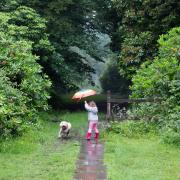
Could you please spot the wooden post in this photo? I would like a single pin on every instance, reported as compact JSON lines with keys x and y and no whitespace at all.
{"x":108,"y":115}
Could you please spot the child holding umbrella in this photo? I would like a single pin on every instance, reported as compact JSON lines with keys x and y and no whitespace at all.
{"x":92,"y":118}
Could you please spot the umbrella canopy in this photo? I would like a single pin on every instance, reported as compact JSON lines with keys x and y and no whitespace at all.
{"x":84,"y":93}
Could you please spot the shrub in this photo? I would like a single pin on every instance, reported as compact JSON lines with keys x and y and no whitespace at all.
{"x":170,"y":136}
{"x":23,"y":88}
{"x":161,"y":79}
{"x":12,"y":107}
{"x":133,"y":128}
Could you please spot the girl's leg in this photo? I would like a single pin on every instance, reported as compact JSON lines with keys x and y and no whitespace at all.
{"x":88,"y":135}
{"x":96,"y":130}
{"x":91,"y":124}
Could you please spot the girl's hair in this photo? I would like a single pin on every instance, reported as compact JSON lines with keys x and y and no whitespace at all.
{"x":92,"y":104}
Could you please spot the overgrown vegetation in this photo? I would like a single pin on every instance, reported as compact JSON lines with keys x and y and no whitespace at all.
{"x":23,"y":88}
{"x":161,"y":79}
{"x":39,"y":38}
{"x":50,"y":37}
{"x":133,"y":129}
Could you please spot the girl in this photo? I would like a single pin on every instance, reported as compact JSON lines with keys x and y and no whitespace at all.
{"x":92,"y":118}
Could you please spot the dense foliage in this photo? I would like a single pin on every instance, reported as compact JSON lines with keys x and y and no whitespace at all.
{"x":23,"y":89}
{"x":56,"y":51}
{"x":161,"y":78}
{"x":61,"y":38}
{"x":70,"y":40}
{"x":137,"y":28}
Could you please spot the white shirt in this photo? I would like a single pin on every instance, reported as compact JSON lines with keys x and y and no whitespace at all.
{"x":92,"y":112}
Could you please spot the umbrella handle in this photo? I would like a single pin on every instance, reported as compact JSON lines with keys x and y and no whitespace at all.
{"x":78,"y":99}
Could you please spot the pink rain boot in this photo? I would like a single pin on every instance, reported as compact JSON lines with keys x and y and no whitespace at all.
{"x":97,"y":136}
{"x":88,"y":136}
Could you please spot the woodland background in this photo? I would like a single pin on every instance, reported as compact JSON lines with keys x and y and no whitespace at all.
{"x":52,"y":48}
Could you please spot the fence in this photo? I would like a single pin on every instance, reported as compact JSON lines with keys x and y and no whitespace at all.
{"x":114,"y":99}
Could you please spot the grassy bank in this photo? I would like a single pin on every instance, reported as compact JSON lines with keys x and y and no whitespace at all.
{"x":39,"y":154}
{"x":140,"y":159}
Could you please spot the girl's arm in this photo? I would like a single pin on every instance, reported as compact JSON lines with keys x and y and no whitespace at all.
{"x":89,"y":108}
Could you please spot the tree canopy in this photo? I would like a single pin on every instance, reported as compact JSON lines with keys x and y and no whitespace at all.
{"x":49,"y":48}
{"x":138,"y":26}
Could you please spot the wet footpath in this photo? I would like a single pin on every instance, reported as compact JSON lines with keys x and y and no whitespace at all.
{"x":90,"y":164}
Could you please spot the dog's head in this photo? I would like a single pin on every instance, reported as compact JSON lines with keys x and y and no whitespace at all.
{"x":65,"y":125}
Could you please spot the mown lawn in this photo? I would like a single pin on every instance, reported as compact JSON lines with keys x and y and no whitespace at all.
{"x":39,"y":155}
{"x":140,"y":159}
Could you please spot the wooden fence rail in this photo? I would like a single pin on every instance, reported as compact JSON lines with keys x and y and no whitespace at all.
{"x":112,"y":99}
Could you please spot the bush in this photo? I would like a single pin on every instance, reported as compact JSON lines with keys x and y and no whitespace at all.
{"x":23,"y":88}
{"x":161,"y":79}
{"x":12,"y":107}
{"x":133,"y":128}
{"x":170,"y":136}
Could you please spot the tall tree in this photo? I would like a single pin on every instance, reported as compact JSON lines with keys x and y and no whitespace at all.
{"x":138,"y":27}
{"x":71,"y":23}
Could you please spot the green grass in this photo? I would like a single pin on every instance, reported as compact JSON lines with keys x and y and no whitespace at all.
{"x":39,"y":154}
{"x":140,"y":159}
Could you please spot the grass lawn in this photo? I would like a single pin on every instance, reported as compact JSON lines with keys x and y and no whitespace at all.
{"x":140,"y":159}
{"x":39,"y":155}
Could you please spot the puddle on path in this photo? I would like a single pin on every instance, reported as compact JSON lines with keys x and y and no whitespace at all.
{"x":90,"y":164}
